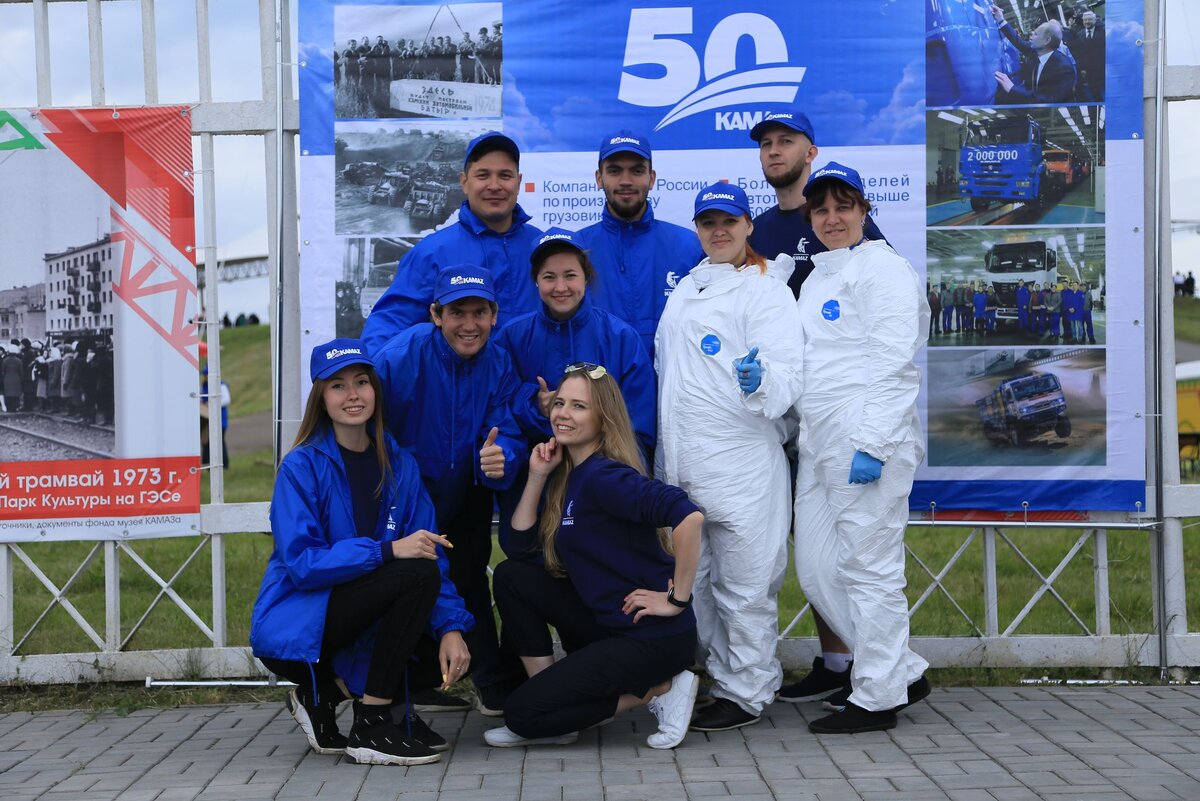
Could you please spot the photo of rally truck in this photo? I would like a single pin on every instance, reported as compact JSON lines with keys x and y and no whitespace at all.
{"x":1001,"y":160}
{"x":1023,"y":407}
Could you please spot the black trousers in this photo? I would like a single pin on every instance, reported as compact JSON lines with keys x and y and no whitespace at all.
{"x":399,"y":595}
{"x":467,"y":523}
{"x":582,"y":689}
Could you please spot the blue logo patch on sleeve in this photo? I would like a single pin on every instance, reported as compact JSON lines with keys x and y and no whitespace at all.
{"x":711,"y":344}
{"x":831,"y":310}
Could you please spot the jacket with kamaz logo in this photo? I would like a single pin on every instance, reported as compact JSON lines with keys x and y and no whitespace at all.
{"x":637,"y":266}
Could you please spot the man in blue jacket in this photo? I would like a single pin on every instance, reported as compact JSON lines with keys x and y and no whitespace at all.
{"x":786,"y":149}
{"x":448,"y":398}
{"x":638,"y":259}
{"x":492,"y":230}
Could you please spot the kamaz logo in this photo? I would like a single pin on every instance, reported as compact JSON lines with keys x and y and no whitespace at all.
{"x":624,"y":140}
{"x":465,"y":279}
{"x":802,"y":246}
{"x":672,"y":279}
{"x":551,"y":238}
{"x":336,"y":352}
{"x":717,"y":196}
{"x":655,"y":44}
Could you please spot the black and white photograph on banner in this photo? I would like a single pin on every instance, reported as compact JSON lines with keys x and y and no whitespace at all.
{"x":368,"y":267}
{"x":441,"y":61}
{"x":1015,"y":166}
{"x":1016,"y":286}
{"x":1019,"y":406}
{"x":1007,"y":53}
{"x":398,"y":179}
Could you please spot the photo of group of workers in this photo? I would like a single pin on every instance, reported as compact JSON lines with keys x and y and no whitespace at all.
{"x":980,"y":53}
{"x":1015,"y":166}
{"x":1016,"y":407}
{"x":1020,"y":286}
{"x":397,"y":180}
{"x":421,"y":60}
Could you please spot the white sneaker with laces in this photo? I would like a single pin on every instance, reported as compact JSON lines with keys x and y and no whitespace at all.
{"x":674,"y":711}
{"x":504,"y":737}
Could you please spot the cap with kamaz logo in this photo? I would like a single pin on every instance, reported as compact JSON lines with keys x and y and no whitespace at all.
{"x":728,"y":198}
{"x":836,"y":172}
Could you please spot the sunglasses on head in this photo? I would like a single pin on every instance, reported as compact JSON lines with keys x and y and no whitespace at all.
{"x":587,"y":368}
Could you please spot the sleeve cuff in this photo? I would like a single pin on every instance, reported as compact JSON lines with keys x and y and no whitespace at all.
{"x":385,"y":551}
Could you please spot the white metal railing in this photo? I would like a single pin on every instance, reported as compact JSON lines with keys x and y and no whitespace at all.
{"x":274,"y":118}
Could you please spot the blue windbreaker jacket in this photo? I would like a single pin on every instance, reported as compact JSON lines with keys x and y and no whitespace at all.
{"x":406,"y":301}
{"x":638,"y":265}
{"x":539,"y":345}
{"x":317,"y":548}
{"x":441,"y":408}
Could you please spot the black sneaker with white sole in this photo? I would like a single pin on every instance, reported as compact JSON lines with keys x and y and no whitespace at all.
{"x":917,"y":691}
{"x":853,"y":719}
{"x":418,"y":729}
{"x":376,"y":740}
{"x":722,"y":715}
{"x":819,"y":683}
{"x":318,"y":721}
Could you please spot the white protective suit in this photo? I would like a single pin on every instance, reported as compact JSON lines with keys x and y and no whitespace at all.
{"x":865,"y":317}
{"x":726,"y":450}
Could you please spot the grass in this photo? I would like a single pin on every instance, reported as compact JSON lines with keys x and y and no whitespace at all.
{"x":1187,"y":319}
{"x":246,"y":368}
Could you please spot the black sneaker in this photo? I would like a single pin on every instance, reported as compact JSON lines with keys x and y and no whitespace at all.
{"x":490,"y":701}
{"x":853,"y":719}
{"x":818,"y":684}
{"x":917,"y":691}
{"x":418,"y":729}
{"x":317,"y":721}
{"x":434,"y":700}
{"x":722,"y":715}
{"x":376,"y":740}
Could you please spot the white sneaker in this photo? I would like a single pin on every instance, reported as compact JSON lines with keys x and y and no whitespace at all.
{"x":674,"y":711}
{"x":504,"y":737}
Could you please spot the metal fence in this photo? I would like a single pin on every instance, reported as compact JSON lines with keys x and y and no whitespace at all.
{"x":272,"y":115}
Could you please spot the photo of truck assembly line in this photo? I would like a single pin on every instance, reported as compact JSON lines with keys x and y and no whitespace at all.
{"x":1016,"y":407}
{"x":981,"y":54}
{"x":1016,"y":286}
{"x":396,"y":181}
{"x":1015,"y":166}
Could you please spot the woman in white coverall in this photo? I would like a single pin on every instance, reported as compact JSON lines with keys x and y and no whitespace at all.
{"x":728,"y":356}
{"x":865,"y":317}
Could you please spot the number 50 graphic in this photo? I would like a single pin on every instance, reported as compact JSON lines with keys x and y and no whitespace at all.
{"x":648,"y":42}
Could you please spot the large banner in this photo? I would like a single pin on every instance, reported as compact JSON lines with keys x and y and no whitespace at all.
{"x":988,"y":137}
{"x":99,"y":422}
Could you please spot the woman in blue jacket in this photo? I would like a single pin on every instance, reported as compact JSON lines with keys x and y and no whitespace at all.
{"x":355,"y":599}
{"x":627,"y":603}
{"x":568,"y":329}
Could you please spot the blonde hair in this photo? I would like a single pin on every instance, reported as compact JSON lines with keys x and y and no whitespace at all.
{"x":316,"y":420}
{"x":617,"y":442}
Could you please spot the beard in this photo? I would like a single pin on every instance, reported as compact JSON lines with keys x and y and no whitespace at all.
{"x":627,"y":211}
{"x":786,"y":179}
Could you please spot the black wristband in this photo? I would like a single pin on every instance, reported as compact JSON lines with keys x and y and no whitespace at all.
{"x":673,"y":601}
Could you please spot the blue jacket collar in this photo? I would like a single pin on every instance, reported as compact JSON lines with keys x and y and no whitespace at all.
{"x":576,"y":321}
{"x":612,"y":222}
{"x":467,"y":218}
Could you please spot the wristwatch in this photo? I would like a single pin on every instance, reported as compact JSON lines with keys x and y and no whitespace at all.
{"x":673,"y":601}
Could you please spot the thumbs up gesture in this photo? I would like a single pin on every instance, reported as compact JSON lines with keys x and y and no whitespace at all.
{"x":748,"y":371}
{"x":544,"y":396}
{"x":491,"y":457}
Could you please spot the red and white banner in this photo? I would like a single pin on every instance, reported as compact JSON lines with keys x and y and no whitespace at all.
{"x":99,"y":373}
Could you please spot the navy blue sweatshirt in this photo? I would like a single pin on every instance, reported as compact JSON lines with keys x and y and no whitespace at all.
{"x":608,"y":544}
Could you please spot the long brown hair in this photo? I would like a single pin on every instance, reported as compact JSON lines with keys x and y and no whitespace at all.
{"x":316,"y":420}
{"x":617,"y":442}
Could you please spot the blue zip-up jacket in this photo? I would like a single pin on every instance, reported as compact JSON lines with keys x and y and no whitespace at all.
{"x":539,"y":345}
{"x":441,"y":408}
{"x":317,"y":548}
{"x":406,"y":301}
{"x":637,"y":266}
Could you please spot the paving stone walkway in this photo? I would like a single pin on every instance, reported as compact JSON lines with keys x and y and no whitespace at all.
{"x":990,"y":744}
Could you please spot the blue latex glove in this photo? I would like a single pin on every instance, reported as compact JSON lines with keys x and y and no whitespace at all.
{"x":865,"y":468}
{"x":748,"y":371}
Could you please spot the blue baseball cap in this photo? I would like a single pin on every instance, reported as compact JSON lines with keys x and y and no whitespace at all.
{"x":492,"y":140}
{"x":836,"y":172}
{"x":722,"y":197}
{"x":555,"y":236}
{"x":624,"y":141}
{"x":327,"y":359}
{"x":464,"y":281}
{"x":789,"y":117}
